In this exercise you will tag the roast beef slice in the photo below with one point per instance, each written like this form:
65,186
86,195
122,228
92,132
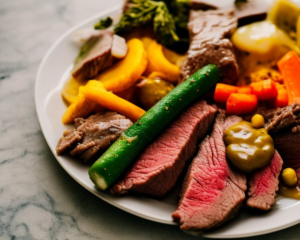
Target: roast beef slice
94,134
263,184
283,124
159,166
94,56
281,118
212,191
209,43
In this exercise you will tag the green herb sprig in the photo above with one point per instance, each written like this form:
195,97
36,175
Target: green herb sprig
142,12
103,23
168,18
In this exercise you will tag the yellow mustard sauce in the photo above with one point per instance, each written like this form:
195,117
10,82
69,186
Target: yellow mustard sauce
290,192
248,148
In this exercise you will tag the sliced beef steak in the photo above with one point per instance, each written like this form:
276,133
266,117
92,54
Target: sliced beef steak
159,166
212,191
283,125
263,184
288,145
209,33
93,134
282,118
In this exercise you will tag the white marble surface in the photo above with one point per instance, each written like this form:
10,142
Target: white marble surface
38,199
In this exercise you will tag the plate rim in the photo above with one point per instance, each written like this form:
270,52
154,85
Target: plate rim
94,191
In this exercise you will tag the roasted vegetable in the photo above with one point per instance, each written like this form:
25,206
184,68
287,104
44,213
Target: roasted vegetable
80,108
244,89
157,62
284,14
223,91
95,91
126,72
151,91
240,103
262,38
71,89
108,168
289,67
264,90
282,99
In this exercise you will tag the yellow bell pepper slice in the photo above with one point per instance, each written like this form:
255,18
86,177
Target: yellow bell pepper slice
94,92
81,108
126,72
157,62
98,94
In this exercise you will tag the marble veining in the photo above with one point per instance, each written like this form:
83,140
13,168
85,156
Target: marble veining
38,199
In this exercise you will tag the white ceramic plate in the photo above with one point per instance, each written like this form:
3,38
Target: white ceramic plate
53,72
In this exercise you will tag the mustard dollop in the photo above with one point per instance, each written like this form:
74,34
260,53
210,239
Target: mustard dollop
248,148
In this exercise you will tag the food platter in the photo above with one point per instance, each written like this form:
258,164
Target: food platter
53,72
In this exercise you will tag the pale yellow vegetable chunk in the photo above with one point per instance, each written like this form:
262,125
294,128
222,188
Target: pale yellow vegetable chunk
71,89
262,38
284,14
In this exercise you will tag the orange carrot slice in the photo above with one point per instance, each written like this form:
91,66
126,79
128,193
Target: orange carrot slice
264,90
246,90
223,91
240,103
289,67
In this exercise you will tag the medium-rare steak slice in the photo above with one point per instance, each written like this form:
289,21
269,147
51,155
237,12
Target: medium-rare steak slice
94,134
212,191
263,184
159,166
209,43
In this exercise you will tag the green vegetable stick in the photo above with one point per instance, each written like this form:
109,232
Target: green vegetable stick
108,168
